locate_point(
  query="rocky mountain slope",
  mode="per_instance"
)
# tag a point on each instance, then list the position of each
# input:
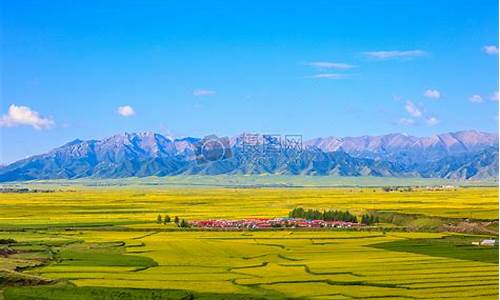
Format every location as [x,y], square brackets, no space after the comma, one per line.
[460,155]
[406,148]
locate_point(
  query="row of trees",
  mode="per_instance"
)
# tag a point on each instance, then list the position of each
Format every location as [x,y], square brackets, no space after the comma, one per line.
[326,215]
[331,215]
[369,219]
[165,220]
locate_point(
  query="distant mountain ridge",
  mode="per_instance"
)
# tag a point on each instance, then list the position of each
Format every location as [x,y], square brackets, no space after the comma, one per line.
[401,147]
[458,155]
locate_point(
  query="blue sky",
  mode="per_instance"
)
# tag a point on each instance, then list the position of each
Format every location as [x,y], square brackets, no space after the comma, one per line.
[85,69]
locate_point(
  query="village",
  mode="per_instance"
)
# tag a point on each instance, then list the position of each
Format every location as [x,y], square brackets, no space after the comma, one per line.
[297,218]
[263,223]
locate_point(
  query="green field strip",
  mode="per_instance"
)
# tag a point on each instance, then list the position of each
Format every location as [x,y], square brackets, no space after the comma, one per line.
[141,269]
[145,235]
[453,293]
[184,266]
[199,277]
[308,270]
[449,246]
[131,245]
[460,297]
[430,287]
[430,262]
[256,256]
[335,296]
[389,296]
[139,251]
[423,272]
[418,280]
[55,268]
[308,289]
[272,245]
[324,243]
[246,274]
[329,282]
[289,258]
[200,286]
[439,268]
[263,264]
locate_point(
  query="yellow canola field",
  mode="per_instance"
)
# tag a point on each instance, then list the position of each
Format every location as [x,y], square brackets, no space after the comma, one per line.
[319,265]
[141,207]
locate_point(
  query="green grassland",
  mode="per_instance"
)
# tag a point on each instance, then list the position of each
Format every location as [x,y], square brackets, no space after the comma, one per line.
[83,242]
[239,181]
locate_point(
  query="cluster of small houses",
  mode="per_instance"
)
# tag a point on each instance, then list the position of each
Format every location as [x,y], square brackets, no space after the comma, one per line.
[262,223]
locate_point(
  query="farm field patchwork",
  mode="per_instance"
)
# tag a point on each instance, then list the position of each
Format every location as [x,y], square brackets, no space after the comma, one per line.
[106,244]
[315,265]
[139,208]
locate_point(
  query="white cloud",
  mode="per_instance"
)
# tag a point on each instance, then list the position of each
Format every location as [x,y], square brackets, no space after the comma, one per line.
[406,121]
[418,115]
[490,50]
[476,99]
[328,76]
[330,65]
[23,115]
[431,121]
[125,111]
[412,109]
[382,55]
[203,93]
[494,96]
[434,94]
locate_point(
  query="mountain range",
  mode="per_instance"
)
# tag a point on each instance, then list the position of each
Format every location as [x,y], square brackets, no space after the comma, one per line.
[456,155]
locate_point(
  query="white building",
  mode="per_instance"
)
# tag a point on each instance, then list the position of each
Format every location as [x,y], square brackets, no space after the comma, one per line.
[488,242]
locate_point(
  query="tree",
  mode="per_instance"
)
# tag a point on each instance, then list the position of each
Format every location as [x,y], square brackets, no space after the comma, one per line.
[158,219]
[326,215]
[183,224]
[297,212]
[369,219]
[176,220]
[166,219]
